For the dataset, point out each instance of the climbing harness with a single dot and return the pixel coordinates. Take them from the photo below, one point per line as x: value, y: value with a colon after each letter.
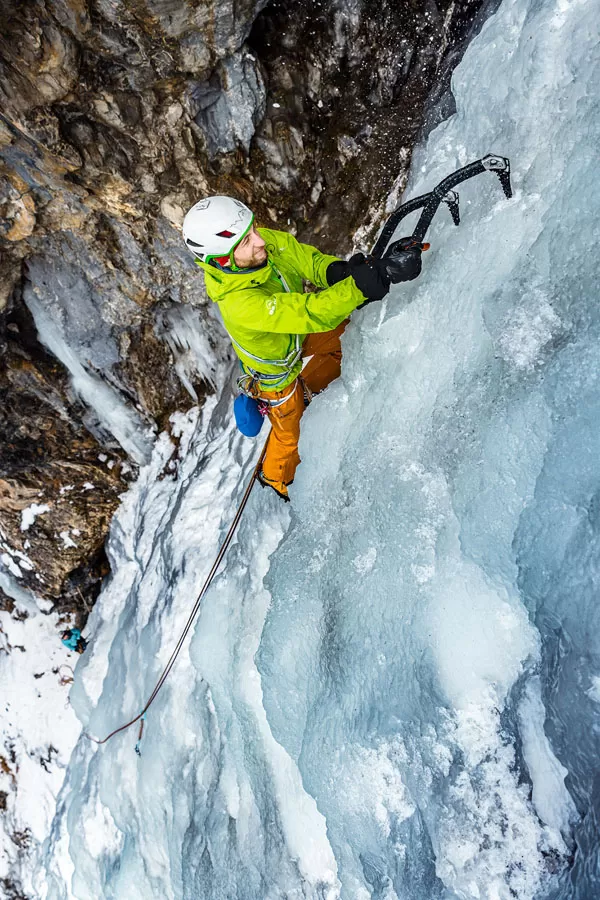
x: 442, y: 193
x: 249, y: 408
x: 287, y: 363
x: 195, y: 609
x: 251, y: 379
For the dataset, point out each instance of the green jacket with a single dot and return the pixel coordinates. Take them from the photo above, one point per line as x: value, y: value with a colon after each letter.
x: 263, y: 318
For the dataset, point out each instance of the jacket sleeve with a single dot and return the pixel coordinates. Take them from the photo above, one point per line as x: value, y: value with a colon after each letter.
x: 294, y: 313
x: 309, y: 262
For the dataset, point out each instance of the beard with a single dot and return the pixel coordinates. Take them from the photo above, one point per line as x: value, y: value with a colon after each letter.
x: 259, y: 257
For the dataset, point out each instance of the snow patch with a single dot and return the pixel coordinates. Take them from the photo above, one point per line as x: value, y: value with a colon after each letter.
x: 29, y: 515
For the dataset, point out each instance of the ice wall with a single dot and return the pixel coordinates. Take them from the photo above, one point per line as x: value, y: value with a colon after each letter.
x: 452, y: 508
x: 400, y: 698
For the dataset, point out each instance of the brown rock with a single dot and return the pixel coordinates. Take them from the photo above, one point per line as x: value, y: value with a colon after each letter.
x: 17, y: 208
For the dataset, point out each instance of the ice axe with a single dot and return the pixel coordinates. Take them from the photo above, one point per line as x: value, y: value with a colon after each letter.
x: 429, y: 204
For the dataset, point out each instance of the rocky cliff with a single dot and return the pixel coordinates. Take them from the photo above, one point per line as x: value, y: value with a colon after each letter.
x: 116, y: 116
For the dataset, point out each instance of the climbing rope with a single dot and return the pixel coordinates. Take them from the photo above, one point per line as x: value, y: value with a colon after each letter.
x: 165, y: 673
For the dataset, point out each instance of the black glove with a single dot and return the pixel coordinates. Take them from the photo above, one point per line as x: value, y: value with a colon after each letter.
x: 403, y: 259
x: 373, y: 277
x: 370, y: 276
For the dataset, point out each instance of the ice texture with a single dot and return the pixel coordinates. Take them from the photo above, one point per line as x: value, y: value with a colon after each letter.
x: 392, y: 688
x: 214, y: 805
x: 114, y: 414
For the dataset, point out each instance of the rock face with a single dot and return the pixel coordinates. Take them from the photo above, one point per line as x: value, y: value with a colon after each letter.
x: 348, y: 81
x: 56, y: 494
x: 116, y: 116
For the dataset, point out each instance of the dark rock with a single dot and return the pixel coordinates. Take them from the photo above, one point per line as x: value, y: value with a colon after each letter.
x: 48, y: 458
x: 348, y: 82
x: 11, y: 890
x: 7, y: 604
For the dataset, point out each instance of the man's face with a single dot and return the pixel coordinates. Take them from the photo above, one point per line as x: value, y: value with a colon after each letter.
x: 251, y: 251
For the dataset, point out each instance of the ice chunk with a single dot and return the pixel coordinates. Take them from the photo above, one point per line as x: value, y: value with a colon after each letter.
x: 121, y: 420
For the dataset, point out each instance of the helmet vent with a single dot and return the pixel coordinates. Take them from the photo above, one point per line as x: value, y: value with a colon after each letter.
x: 193, y: 243
x: 226, y: 234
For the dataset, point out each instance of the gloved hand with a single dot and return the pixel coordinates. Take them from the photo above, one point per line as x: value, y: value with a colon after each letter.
x: 373, y: 277
x: 370, y: 276
x: 403, y: 259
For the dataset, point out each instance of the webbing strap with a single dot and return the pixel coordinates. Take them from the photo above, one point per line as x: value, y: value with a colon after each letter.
x: 278, y: 274
x: 275, y: 403
x: 294, y: 355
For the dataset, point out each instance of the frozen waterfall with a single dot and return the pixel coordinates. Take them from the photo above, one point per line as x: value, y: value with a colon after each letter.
x: 392, y: 689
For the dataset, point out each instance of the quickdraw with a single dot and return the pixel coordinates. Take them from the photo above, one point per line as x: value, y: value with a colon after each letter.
x: 250, y: 386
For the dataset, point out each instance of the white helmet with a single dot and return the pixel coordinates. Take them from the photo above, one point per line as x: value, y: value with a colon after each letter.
x: 214, y: 227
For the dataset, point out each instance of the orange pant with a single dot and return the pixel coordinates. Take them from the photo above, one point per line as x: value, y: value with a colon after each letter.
x: 282, y: 458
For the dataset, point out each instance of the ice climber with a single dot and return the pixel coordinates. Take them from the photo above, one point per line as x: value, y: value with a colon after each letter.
x: 72, y: 639
x: 288, y: 341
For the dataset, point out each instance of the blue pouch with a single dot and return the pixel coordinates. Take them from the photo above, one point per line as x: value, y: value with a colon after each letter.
x: 247, y: 415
